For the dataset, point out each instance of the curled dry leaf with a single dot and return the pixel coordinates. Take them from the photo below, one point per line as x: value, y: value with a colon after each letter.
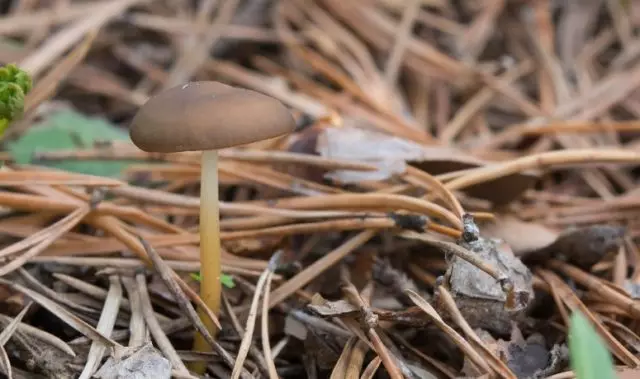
x: 479, y: 296
x: 391, y: 154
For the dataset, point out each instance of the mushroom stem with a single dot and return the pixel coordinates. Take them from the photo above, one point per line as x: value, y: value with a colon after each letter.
x: 210, y: 285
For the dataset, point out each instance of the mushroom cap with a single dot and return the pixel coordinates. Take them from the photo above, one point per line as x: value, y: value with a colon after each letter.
x: 206, y: 115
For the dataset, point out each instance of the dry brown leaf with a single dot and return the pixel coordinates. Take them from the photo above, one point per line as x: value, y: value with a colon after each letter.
x: 523, y: 237
x: 480, y: 298
x: 584, y: 247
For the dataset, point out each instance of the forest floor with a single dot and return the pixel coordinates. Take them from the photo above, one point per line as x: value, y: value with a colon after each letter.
x: 462, y: 189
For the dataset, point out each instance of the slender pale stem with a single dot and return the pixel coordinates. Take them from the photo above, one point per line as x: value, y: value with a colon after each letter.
x: 210, y: 285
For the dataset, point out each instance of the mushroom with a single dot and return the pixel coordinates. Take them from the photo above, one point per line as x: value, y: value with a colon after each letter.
x: 208, y: 116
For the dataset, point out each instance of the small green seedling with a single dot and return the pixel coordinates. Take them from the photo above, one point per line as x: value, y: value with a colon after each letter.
x: 226, y: 280
x: 15, y: 84
x: 590, y: 358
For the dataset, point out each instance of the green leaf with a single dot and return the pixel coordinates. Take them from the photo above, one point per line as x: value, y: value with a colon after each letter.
x: 66, y: 130
x: 590, y: 358
x: 196, y: 276
x: 227, y: 281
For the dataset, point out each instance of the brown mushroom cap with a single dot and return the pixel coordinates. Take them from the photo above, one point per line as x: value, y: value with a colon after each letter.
x: 204, y: 115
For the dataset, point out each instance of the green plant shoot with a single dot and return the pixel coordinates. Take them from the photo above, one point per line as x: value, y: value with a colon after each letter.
x: 226, y: 280
x: 590, y: 358
x: 15, y: 84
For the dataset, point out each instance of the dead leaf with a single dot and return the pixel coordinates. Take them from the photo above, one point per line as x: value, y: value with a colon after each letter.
x: 479, y: 297
x: 521, y: 236
x: 536, y: 243
x: 391, y: 155
x: 582, y: 247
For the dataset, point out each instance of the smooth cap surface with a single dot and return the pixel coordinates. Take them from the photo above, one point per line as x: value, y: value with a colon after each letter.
x: 207, y: 116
